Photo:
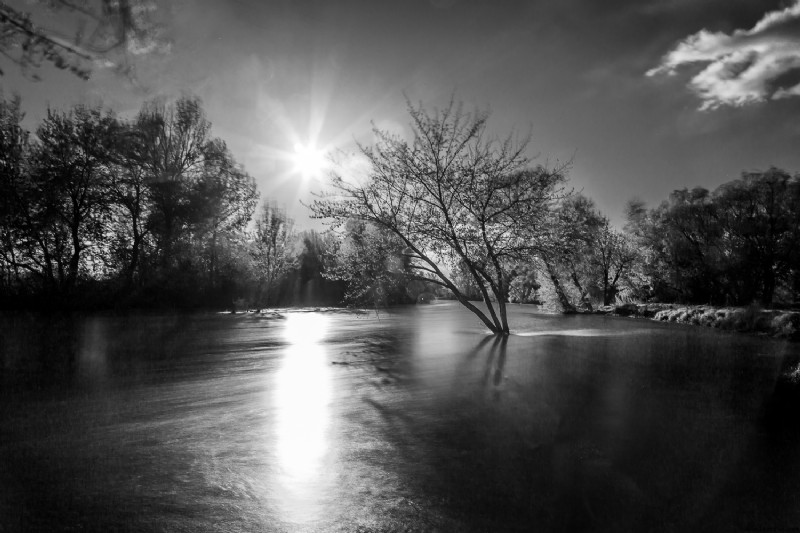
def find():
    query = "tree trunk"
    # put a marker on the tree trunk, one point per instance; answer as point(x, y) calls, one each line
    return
point(75, 258)
point(608, 295)
point(134, 262)
point(16, 265)
point(134, 208)
point(581, 290)
point(501, 307)
point(566, 305)
point(497, 328)
point(768, 286)
point(212, 267)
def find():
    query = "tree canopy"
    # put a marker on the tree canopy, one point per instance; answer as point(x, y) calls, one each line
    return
point(155, 204)
point(735, 245)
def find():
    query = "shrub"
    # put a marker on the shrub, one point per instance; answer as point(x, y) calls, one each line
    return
point(786, 325)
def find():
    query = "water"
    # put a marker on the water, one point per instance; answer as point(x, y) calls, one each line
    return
point(410, 421)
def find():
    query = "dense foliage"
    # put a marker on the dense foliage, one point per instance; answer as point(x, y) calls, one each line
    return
point(152, 211)
point(735, 245)
point(95, 206)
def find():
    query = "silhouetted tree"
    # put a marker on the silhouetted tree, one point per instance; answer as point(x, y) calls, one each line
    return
point(14, 195)
point(735, 245)
point(684, 258)
point(760, 219)
point(156, 207)
point(73, 164)
point(222, 202)
point(132, 209)
point(176, 148)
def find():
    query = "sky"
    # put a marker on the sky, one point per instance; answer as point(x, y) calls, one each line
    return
point(643, 97)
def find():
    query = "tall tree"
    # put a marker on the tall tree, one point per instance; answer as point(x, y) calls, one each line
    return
point(177, 148)
point(590, 260)
point(682, 235)
point(760, 214)
point(73, 164)
point(656, 266)
point(14, 184)
point(451, 196)
point(222, 202)
point(613, 257)
point(130, 196)
point(272, 250)
point(577, 227)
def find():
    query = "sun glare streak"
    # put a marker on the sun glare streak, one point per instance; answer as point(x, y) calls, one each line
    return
point(302, 398)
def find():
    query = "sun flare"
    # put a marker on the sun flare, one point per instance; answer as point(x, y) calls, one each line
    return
point(309, 161)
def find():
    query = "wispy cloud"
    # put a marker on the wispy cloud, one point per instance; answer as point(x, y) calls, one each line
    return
point(745, 66)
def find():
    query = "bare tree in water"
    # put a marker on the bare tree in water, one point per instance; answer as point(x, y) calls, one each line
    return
point(456, 198)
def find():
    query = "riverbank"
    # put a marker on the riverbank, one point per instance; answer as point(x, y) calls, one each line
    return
point(753, 319)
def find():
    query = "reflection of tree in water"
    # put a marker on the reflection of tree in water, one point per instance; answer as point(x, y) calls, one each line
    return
point(58, 349)
point(38, 352)
point(459, 454)
point(496, 362)
point(504, 450)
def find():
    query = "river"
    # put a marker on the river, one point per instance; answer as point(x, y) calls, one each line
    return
point(411, 420)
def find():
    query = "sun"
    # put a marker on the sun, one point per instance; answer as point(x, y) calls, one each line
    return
point(308, 160)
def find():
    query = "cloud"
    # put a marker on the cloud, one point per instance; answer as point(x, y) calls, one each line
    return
point(745, 66)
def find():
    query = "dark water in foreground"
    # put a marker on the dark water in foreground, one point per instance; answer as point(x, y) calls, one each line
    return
point(414, 421)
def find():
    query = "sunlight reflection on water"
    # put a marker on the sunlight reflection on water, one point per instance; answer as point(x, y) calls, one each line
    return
point(243, 423)
point(302, 398)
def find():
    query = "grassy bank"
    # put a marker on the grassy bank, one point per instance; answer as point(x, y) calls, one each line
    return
point(752, 319)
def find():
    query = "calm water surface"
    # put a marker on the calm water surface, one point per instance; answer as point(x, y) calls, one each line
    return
point(410, 421)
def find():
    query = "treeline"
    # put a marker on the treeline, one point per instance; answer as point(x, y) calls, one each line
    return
point(100, 211)
point(737, 245)
point(97, 211)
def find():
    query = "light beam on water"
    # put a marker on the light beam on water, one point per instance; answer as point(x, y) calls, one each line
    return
point(302, 397)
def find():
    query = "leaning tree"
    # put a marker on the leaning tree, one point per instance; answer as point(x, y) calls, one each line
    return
point(456, 199)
